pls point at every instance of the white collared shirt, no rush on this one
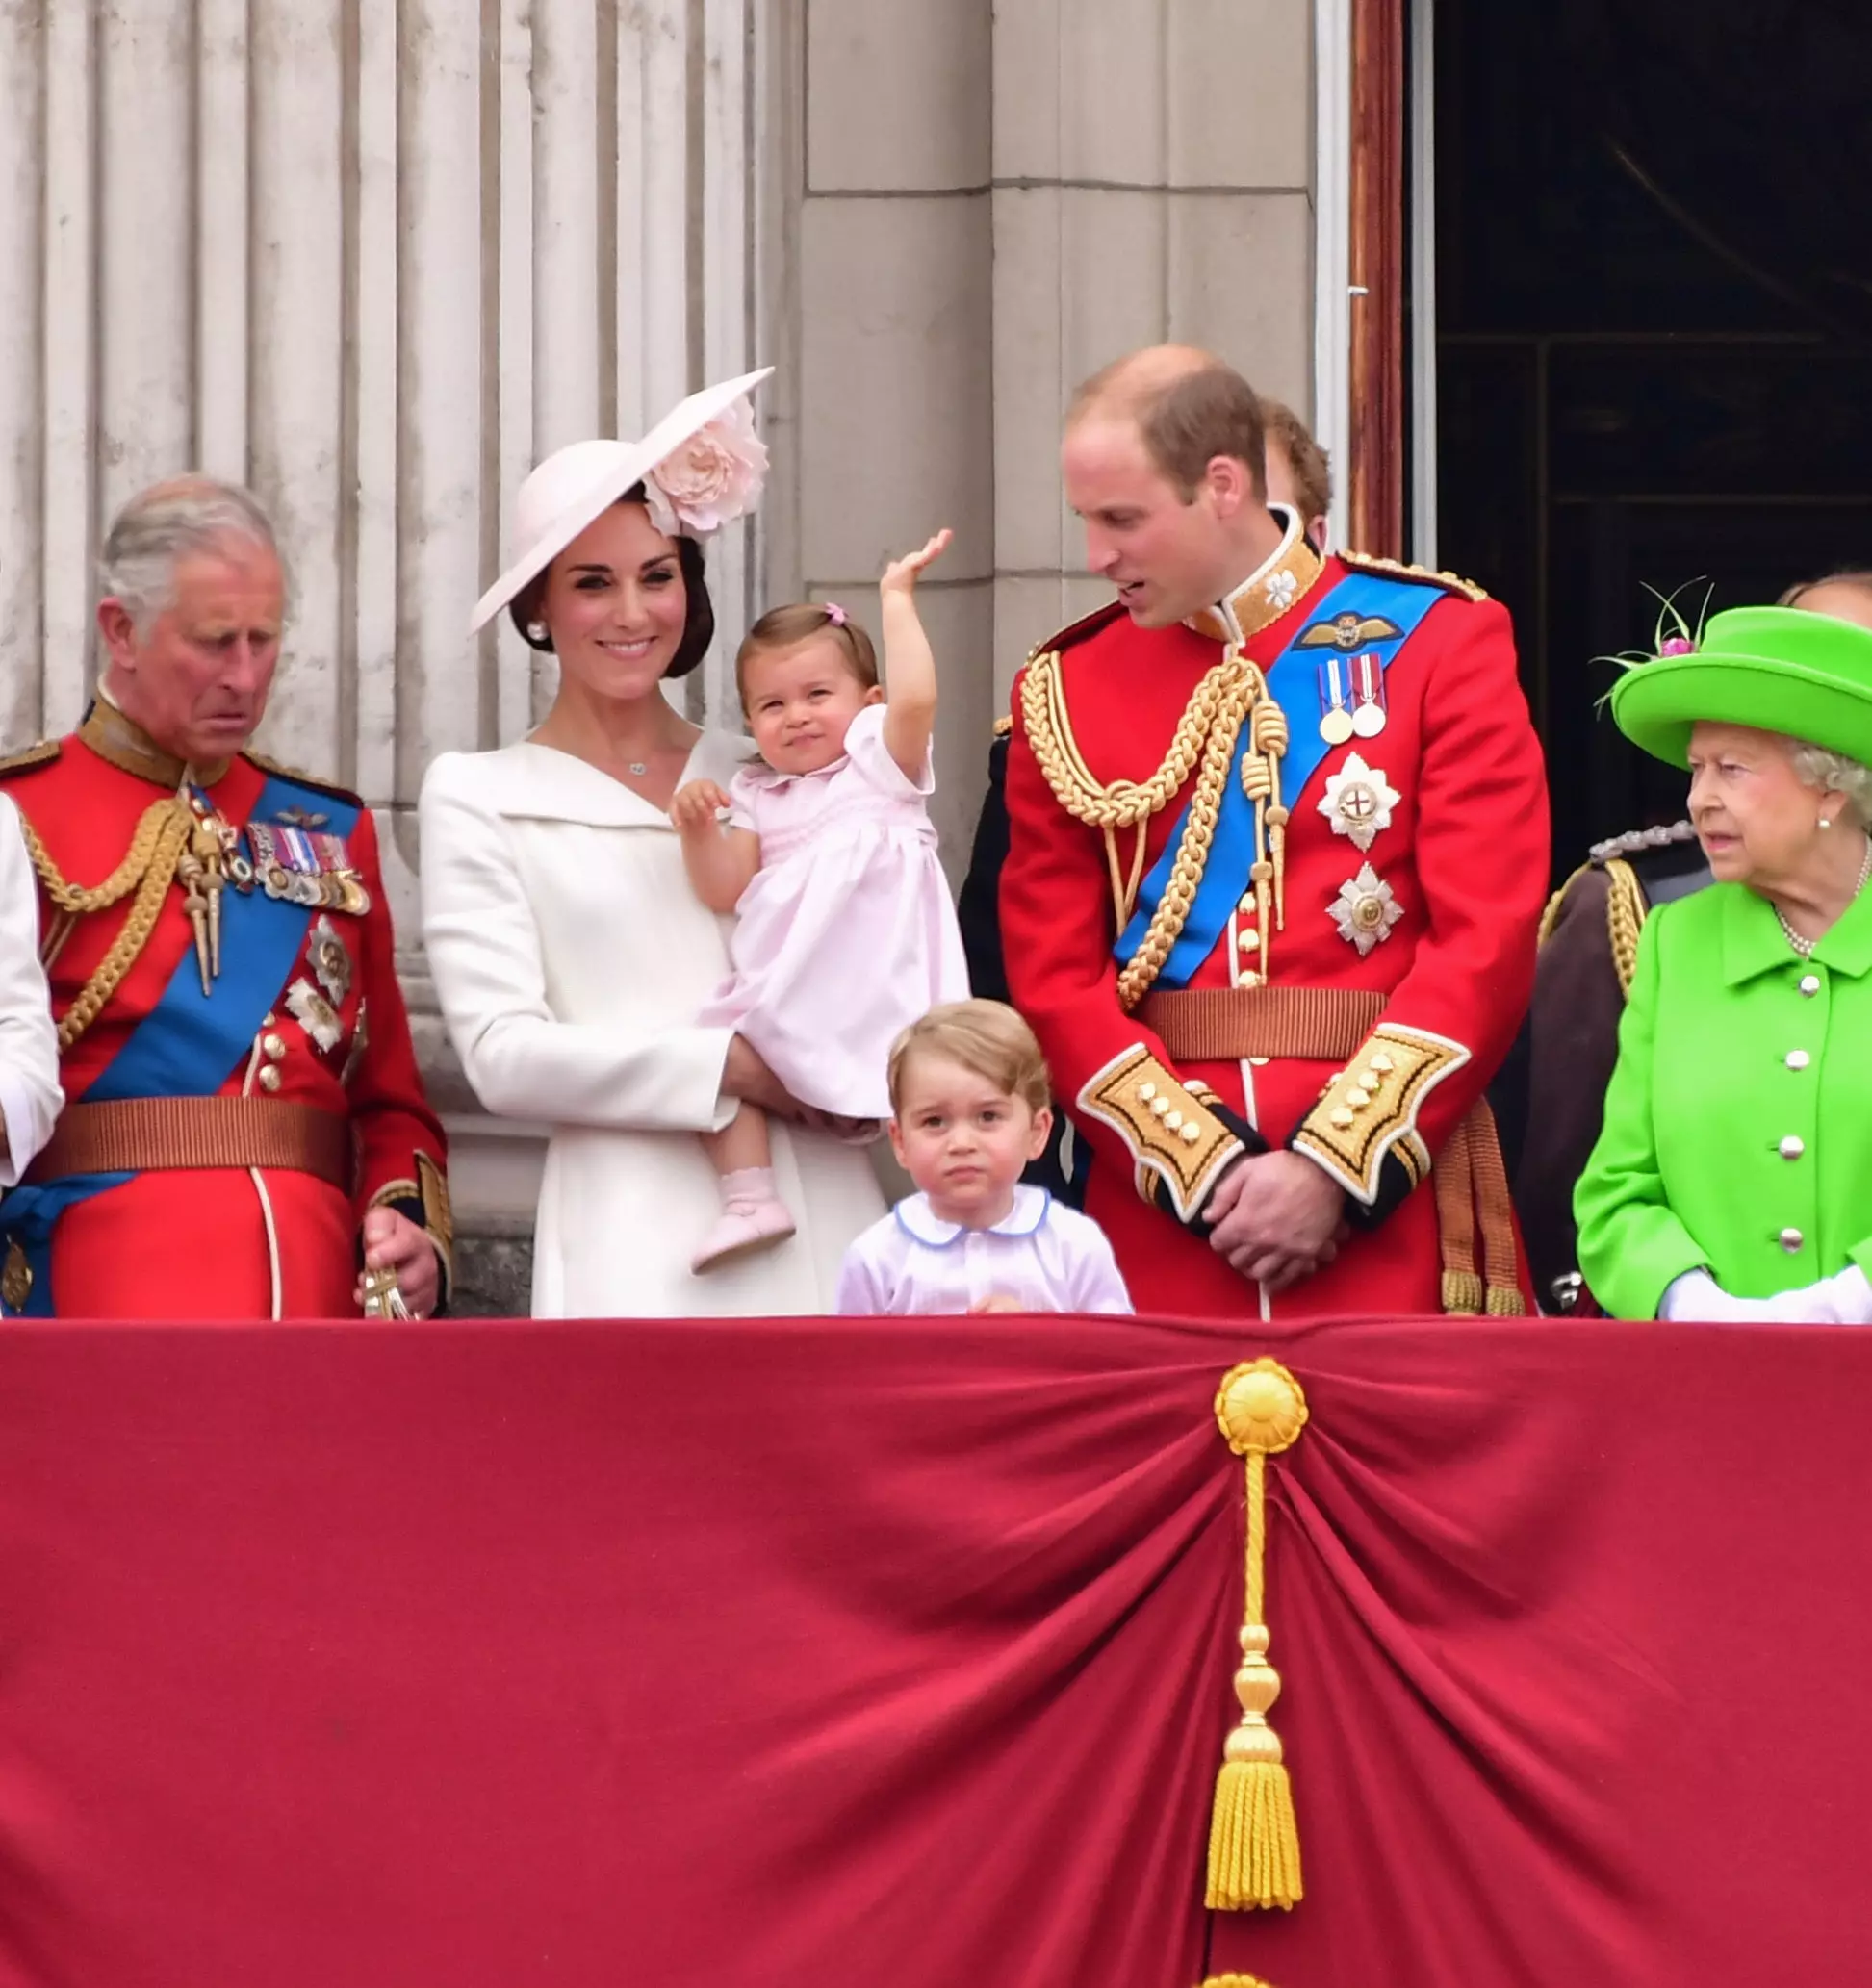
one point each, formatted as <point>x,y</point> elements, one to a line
<point>30,1097</point>
<point>1043,1257</point>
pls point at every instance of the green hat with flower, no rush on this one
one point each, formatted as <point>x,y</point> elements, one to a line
<point>1779,669</point>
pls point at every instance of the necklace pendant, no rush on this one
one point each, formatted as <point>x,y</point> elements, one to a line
<point>639,767</point>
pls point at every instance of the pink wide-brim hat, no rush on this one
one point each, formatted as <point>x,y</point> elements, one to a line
<point>574,484</point>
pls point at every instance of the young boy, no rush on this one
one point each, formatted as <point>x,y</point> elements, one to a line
<point>968,1098</point>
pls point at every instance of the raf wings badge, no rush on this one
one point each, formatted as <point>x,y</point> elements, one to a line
<point>1347,632</point>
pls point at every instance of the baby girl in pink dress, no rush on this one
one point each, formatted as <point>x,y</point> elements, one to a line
<point>845,933</point>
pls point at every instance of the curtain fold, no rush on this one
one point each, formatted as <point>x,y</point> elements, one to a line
<point>822,1652</point>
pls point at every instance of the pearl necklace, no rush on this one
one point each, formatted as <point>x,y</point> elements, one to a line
<point>1805,946</point>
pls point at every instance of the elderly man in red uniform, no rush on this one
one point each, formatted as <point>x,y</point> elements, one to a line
<point>246,1131</point>
<point>1278,850</point>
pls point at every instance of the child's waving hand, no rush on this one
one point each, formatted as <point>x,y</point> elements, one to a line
<point>900,575</point>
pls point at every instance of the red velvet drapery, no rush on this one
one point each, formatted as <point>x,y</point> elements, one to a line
<point>815,1653</point>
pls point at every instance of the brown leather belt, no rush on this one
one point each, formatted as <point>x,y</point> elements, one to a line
<point>1223,1025</point>
<point>1475,1213</point>
<point>152,1134</point>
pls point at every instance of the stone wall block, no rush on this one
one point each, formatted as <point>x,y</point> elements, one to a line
<point>896,431</point>
<point>1236,262</point>
<point>899,95</point>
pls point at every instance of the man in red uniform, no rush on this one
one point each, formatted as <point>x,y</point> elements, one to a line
<point>245,1128</point>
<point>1278,850</point>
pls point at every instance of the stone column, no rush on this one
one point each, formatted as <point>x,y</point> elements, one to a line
<point>888,428</point>
<point>1153,179</point>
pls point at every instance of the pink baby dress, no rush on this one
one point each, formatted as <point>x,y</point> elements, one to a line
<point>847,934</point>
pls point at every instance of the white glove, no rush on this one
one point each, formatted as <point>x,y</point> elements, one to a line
<point>1845,1299</point>
<point>1697,1296</point>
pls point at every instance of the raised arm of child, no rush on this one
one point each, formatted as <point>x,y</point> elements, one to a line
<point>721,861</point>
<point>910,681</point>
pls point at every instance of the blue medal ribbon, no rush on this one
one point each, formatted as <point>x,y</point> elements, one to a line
<point>1292,682</point>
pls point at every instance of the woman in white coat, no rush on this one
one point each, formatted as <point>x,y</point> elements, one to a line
<point>571,957</point>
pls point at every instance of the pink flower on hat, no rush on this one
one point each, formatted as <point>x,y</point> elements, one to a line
<point>711,479</point>
<point>1675,644</point>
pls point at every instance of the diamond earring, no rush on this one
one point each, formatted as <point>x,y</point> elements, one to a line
<point>537,630</point>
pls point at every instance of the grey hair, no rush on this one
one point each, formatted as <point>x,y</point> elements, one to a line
<point>163,525</point>
<point>1816,766</point>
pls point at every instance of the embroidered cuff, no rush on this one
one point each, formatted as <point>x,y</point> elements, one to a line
<point>424,1201</point>
<point>1364,1129</point>
<point>1181,1143</point>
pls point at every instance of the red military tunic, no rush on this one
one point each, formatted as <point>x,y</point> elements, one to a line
<point>1452,799</point>
<point>229,1242</point>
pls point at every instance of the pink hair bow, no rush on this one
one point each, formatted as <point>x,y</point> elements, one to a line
<point>835,614</point>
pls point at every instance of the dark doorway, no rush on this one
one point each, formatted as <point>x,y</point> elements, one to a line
<point>1653,245</point>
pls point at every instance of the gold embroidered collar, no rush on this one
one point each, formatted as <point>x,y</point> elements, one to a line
<point>121,742</point>
<point>1268,593</point>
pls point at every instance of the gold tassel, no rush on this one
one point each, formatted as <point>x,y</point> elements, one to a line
<point>1254,1844</point>
<point>1237,1981</point>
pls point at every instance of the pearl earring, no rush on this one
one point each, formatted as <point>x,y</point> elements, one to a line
<point>1826,821</point>
<point>537,630</point>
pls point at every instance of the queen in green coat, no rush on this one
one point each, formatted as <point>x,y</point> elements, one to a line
<point>1733,1178</point>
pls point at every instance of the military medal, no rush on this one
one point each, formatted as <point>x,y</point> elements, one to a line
<point>1365,910</point>
<point>330,961</point>
<point>315,1014</point>
<point>1336,723</point>
<point>298,866</point>
<point>1368,712</point>
<point>1358,802</point>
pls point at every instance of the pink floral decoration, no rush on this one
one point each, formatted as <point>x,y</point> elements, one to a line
<point>712,479</point>
<point>1677,645</point>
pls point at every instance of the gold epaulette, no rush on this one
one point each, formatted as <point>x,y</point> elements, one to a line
<point>1077,631</point>
<point>1449,582</point>
<point>29,756</point>
<point>267,764</point>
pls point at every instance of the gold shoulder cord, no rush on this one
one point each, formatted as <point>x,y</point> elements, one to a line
<point>1624,919</point>
<point>158,845</point>
<point>1205,737</point>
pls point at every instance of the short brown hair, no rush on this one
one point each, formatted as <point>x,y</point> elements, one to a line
<point>1190,407</point>
<point>985,1036</point>
<point>1285,430</point>
<point>1847,576</point>
<point>786,627</point>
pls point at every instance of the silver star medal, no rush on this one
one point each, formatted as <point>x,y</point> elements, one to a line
<point>315,1014</point>
<point>330,959</point>
<point>1358,802</point>
<point>1364,909</point>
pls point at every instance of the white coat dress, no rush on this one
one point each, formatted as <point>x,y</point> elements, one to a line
<point>572,958</point>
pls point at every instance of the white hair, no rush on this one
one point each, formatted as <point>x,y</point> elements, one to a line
<point>1829,771</point>
<point>161,527</point>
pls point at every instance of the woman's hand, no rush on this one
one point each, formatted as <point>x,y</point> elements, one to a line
<point>900,575</point>
<point>697,807</point>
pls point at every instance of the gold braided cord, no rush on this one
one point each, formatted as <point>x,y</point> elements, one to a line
<point>158,816</point>
<point>1551,917</point>
<point>1124,802</point>
<point>1204,740</point>
<point>171,839</point>
<point>1173,910</point>
<point>1625,918</point>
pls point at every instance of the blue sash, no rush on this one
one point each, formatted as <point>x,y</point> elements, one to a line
<point>190,1043</point>
<point>1292,681</point>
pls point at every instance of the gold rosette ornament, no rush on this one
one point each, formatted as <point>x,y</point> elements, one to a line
<point>1254,1846</point>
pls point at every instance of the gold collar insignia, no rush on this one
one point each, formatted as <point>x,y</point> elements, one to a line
<point>119,741</point>
<point>1268,593</point>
